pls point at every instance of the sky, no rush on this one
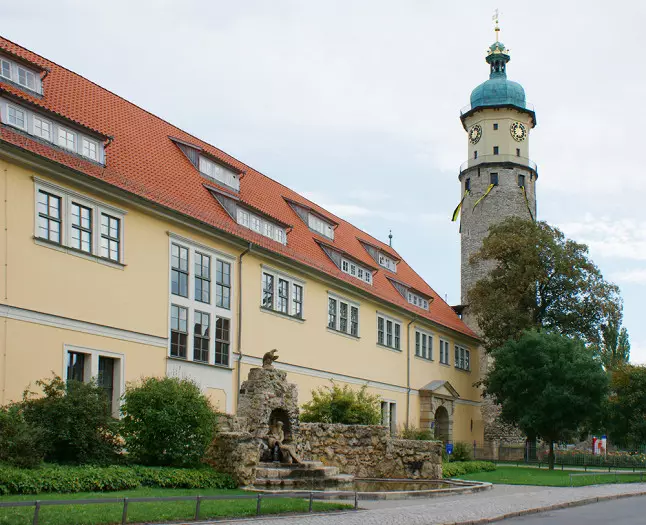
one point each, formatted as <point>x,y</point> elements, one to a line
<point>355,104</point>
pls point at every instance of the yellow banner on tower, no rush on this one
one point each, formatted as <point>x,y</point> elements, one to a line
<point>491,186</point>
<point>456,212</point>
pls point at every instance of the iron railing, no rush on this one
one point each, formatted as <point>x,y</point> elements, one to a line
<point>615,473</point>
<point>259,497</point>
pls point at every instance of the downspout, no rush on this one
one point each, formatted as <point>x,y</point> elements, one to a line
<point>408,370</point>
<point>239,342</point>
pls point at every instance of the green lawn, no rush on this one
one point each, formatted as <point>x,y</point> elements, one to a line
<point>544,477</point>
<point>110,513</point>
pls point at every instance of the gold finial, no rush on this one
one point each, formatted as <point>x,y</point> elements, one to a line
<point>496,20</point>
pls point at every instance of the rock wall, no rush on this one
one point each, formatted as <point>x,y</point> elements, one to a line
<point>235,453</point>
<point>370,451</point>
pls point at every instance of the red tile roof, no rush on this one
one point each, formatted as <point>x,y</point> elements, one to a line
<point>142,159</point>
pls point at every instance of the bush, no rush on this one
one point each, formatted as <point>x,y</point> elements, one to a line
<point>451,470</point>
<point>74,420</point>
<point>333,404</point>
<point>167,422</point>
<point>417,434</point>
<point>21,444</point>
<point>461,452</point>
<point>66,479</point>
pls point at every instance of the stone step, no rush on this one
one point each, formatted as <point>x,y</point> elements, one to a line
<point>303,465</point>
<point>296,472</point>
<point>273,473</point>
<point>302,483</point>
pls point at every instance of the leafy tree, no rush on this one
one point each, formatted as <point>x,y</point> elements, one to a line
<point>167,422</point>
<point>626,409</point>
<point>614,349</point>
<point>540,280</point>
<point>333,404</point>
<point>547,384</point>
<point>75,422</point>
<point>21,443</point>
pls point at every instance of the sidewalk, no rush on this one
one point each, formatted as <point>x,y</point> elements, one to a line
<point>500,502</point>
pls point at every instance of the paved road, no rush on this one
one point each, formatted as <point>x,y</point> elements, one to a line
<point>629,511</point>
<point>501,500</point>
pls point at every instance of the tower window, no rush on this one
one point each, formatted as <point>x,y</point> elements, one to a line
<point>475,154</point>
<point>495,150</point>
<point>495,126</point>
<point>493,179</point>
<point>521,181</point>
<point>518,152</point>
<point>467,184</point>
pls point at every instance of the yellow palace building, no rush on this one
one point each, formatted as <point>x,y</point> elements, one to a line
<point>131,248</point>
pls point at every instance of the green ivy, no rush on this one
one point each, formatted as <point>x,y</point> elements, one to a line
<point>67,479</point>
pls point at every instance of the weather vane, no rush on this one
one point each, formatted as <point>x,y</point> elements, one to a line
<point>496,21</point>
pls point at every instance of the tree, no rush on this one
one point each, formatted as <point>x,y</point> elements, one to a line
<point>167,422</point>
<point>626,409</point>
<point>547,384</point>
<point>614,348</point>
<point>333,404</point>
<point>540,280</point>
<point>21,443</point>
<point>75,422</point>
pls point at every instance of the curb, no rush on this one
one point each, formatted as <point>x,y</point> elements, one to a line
<point>548,508</point>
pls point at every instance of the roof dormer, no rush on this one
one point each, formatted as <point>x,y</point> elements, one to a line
<point>414,297</point>
<point>315,221</point>
<point>24,76</point>
<point>385,260</point>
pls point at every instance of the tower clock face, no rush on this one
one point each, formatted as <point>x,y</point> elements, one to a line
<point>475,133</point>
<point>518,131</point>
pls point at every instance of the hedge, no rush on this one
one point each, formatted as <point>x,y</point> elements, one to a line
<point>460,468</point>
<point>64,479</point>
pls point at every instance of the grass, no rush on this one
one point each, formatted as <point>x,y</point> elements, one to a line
<point>110,513</point>
<point>549,478</point>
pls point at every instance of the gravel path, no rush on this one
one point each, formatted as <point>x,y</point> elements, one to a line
<point>499,502</point>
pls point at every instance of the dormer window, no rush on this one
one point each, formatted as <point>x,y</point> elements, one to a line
<point>320,226</point>
<point>261,225</point>
<point>356,270</point>
<point>417,300</point>
<point>387,262</point>
<point>19,74</point>
<point>219,173</point>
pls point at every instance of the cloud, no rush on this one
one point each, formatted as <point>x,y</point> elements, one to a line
<point>637,353</point>
<point>637,276</point>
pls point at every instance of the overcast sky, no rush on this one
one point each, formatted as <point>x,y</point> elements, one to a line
<point>356,105</point>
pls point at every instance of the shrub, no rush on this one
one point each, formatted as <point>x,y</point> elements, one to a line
<point>75,422</point>
<point>21,443</point>
<point>167,422</point>
<point>333,404</point>
<point>461,468</point>
<point>418,434</point>
<point>67,479</point>
<point>461,452</point>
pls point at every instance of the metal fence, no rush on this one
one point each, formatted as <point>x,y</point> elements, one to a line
<point>604,474</point>
<point>259,497</point>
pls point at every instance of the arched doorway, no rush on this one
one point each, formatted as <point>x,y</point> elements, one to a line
<point>442,424</point>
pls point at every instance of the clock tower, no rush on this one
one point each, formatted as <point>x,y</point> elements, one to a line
<point>498,179</point>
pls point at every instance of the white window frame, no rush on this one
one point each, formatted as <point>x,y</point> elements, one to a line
<point>89,142</point>
<point>43,120</point>
<point>464,362</point>
<point>5,61</point>
<point>261,225</point>
<point>389,415</point>
<point>446,352</point>
<point>91,370</point>
<point>28,75</point>
<point>387,262</point>
<point>193,305</point>
<point>14,75</point>
<point>219,173</point>
<point>337,324</point>
<point>291,280</point>
<point>67,132</point>
<point>319,225</point>
<point>25,119</point>
<point>417,300</point>
<point>396,322</point>
<point>98,208</point>
<point>352,268</point>
<point>429,343</point>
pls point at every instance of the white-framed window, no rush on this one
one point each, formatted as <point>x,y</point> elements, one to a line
<point>261,225</point>
<point>321,226</point>
<point>42,128</point>
<point>21,75</point>
<point>51,130</point>
<point>200,316</point>
<point>387,262</point>
<point>423,344</point>
<point>417,300</point>
<point>219,173</point>
<point>389,416</point>
<point>444,352</point>
<point>389,332</point>
<point>66,138</point>
<point>343,315</point>
<point>17,117</point>
<point>462,358</point>
<point>282,293</point>
<point>356,270</point>
<point>27,78</point>
<point>105,367</point>
<point>5,68</point>
<point>68,219</point>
